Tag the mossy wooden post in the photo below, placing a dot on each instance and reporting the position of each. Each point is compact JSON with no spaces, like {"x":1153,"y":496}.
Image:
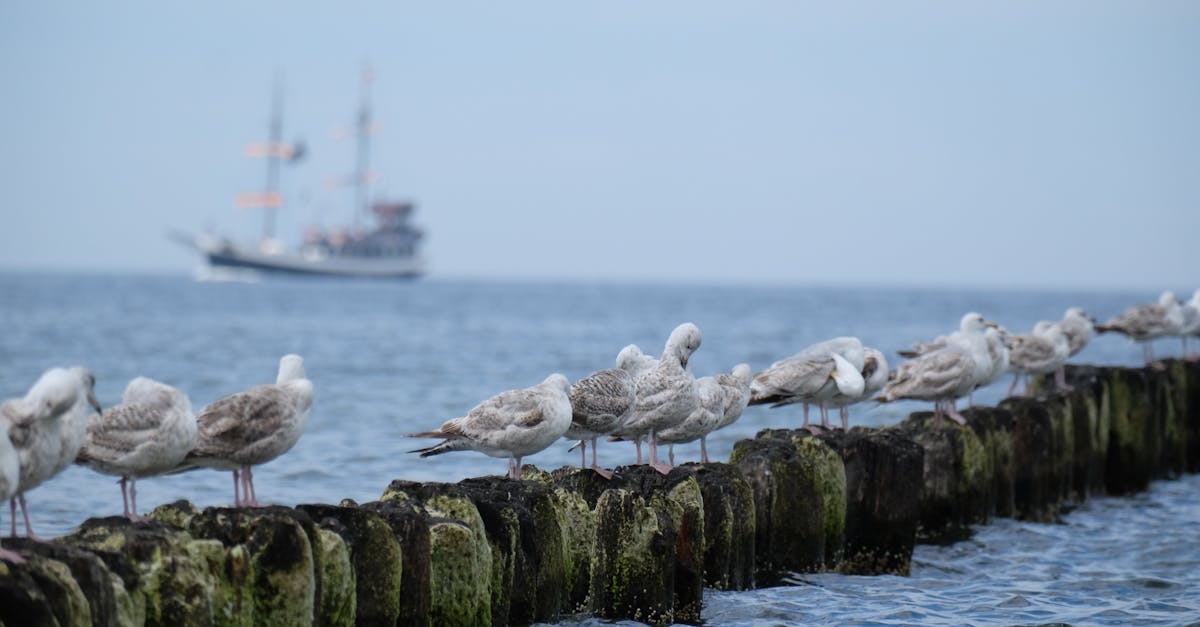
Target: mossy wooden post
{"x":958,"y":478}
{"x":108,"y":602}
{"x":789,"y":509}
{"x":375,"y":557}
{"x":522,"y":525}
{"x":460,"y":573}
{"x":1133,"y":438}
{"x":993,"y":427}
{"x":1170,"y":403}
{"x":633,"y":558}
{"x":42,"y":591}
{"x":1035,"y":486}
{"x":577,"y":492}
{"x":1062,"y":446}
{"x":409,"y":523}
{"x":275,"y":551}
{"x":728,"y":526}
{"x":884,"y":481}
{"x":647,"y":551}
{"x":1191,"y":413}
{"x":171,"y":577}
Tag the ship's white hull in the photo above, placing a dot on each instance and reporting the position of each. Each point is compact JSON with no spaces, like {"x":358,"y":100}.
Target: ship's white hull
{"x":225,"y":254}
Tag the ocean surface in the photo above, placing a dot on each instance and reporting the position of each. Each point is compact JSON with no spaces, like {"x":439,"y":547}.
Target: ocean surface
{"x":394,"y":358}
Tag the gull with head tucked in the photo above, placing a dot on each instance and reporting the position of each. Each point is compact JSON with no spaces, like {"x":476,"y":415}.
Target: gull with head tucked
{"x":817,"y":374}
{"x":46,"y":427}
{"x":148,"y":434}
{"x":511,"y":424}
{"x":666,"y":393}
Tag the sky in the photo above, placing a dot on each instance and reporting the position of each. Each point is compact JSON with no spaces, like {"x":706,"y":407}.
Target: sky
{"x":1039,"y":144}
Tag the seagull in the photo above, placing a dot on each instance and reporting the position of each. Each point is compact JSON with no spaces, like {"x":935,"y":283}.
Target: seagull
{"x":1145,"y":323}
{"x":1043,"y":351}
{"x":875,"y":375}
{"x":252,"y":427}
{"x":708,"y":414}
{"x":42,"y":429}
{"x":1191,"y":323}
{"x":666,"y":394}
{"x":970,"y":336}
{"x":511,"y":424}
{"x":10,"y":474}
{"x":601,"y":402}
{"x":942,"y":376}
{"x":1078,"y":327}
{"x":999,"y":356}
{"x":809,"y":377}
{"x":149,"y":433}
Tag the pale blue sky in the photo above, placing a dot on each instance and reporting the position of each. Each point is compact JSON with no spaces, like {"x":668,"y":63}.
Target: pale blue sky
{"x":1006,"y":143}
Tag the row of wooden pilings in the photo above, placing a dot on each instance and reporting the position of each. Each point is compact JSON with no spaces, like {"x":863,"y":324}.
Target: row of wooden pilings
{"x":642,"y":546}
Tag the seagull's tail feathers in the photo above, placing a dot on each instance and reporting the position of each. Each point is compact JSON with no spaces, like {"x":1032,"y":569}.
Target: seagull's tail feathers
{"x":445,"y":446}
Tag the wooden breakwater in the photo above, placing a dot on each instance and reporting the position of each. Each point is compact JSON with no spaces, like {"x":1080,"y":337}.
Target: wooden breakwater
{"x":642,"y":546}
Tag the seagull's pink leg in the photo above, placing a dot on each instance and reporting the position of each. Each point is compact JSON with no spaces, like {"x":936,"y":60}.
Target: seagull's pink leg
{"x":703,"y":449}
{"x":656,"y":463}
{"x":845,"y":412}
{"x":1016,"y":378}
{"x":805,"y":426}
{"x":124,"y":498}
{"x":12,"y":515}
{"x":638,"y":442}
{"x":607,"y":474}
{"x":583,"y":453}
{"x":133,"y":512}
{"x":671,"y":453}
{"x":952,"y":411}
{"x":25,"y":513}
{"x":237,"y":480}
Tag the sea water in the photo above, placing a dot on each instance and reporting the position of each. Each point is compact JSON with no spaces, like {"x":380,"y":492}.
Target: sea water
{"x":389,"y":359}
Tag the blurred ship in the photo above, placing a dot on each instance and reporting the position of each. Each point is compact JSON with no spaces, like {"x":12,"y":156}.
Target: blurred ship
{"x":387,"y":249}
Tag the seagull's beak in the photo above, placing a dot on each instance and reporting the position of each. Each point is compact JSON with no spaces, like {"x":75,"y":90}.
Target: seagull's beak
{"x":94,"y":403}
{"x":991,"y":324}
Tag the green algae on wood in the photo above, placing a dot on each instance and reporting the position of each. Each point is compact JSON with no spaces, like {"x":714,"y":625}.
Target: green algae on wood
{"x":409,"y":523}
{"x":376,"y":559}
{"x":460,"y":554}
{"x":789,"y":506}
{"x":729,"y":526}
{"x":884,"y":480}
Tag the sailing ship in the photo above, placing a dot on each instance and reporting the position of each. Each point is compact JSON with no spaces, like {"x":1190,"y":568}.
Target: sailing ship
{"x":387,"y":249}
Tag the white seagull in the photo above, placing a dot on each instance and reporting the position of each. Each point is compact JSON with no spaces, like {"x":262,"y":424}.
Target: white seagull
{"x":10,"y":475}
{"x":148,"y":434}
{"x":42,"y":428}
{"x":511,"y":424}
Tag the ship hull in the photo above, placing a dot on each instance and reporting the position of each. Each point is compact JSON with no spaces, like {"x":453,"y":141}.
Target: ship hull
{"x":223,"y":254}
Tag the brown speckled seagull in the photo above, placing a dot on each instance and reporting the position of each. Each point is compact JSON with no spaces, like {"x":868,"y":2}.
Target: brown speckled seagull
{"x":253,"y":427}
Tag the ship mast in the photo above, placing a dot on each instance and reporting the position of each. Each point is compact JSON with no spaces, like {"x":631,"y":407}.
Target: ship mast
{"x":274,"y":139}
{"x":362,"y":162}
{"x":275,"y":151}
